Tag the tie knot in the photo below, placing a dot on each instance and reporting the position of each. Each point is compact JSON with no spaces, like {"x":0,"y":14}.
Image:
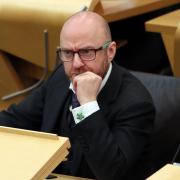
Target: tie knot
{"x":75,"y":102}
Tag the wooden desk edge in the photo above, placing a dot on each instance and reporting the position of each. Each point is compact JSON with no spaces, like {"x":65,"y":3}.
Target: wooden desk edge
{"x":113,"y":13}
{"x":66,"y":177}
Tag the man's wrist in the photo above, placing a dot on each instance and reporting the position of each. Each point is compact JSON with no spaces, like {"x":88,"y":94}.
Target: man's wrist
{"x":81,"y":112}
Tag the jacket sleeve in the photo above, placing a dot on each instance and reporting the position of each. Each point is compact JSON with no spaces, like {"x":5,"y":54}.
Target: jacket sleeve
{"x":27,"y":114}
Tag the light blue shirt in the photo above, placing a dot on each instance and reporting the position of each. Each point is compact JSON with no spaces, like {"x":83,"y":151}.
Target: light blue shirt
{"x":82,"y":112}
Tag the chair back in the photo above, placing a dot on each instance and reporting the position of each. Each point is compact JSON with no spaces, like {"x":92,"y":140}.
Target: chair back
{"x":165,"y":92}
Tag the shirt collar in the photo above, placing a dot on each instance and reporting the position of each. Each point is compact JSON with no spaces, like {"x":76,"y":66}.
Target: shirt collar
{"x":103,"y":81}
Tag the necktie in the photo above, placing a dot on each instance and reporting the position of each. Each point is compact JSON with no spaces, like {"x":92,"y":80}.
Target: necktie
{"x":67,"y":166}
{"x":75,"y":102}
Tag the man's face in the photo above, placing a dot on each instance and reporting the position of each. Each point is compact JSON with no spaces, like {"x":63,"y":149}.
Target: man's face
{"x":75,"y":39}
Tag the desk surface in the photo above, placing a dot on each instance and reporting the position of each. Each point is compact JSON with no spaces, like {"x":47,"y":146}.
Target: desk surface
{"x":168,"y":172}
{"x":164,"y":24}
{"x":114,"y":10}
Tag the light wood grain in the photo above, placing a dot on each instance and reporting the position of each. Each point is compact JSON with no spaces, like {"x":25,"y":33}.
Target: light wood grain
{"x":9,"y":79}
{"x":114,"y":10}
{"x":23,"y":23}
{"x":167,"y":25}
{"x":168,"y":172}
{"x":28,"y":133}
{"x":30,"y":156}
{"x":177,"y":52}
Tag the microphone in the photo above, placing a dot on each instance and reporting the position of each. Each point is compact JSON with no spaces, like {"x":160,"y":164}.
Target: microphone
{"x":44,"y":76}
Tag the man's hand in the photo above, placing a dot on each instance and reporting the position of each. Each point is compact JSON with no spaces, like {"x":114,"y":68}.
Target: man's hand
{"x":86,"y":86}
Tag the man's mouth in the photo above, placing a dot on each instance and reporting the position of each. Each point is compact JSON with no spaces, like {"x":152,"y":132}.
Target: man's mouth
{"x":76,"y":73}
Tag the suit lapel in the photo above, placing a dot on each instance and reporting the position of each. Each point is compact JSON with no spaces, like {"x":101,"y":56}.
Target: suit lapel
{"x":111,"y":89}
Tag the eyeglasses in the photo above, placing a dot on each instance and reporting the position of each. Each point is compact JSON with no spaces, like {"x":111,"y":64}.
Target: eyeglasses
{"x":67,"y":55}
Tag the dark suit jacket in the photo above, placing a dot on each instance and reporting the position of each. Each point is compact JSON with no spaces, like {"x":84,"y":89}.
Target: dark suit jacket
{"x":109,"y":143}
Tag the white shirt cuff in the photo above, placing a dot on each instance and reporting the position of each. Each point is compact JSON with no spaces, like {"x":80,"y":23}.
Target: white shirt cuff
{"x":82,"y":112}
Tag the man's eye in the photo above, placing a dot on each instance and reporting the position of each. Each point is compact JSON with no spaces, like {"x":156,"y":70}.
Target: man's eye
{"x":86,"y":51}
{"x":67,"y":52}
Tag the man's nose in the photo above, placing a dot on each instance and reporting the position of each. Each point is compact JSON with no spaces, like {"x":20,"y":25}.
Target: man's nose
{"x":77,"y":62}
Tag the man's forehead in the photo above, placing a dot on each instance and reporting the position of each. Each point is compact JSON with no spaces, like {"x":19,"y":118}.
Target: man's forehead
{"x":83,"y":30}
{"x":85,"y":18}
{"x":85,"y":24}
{"x":85,"y":15}
{"x":78,"y":23}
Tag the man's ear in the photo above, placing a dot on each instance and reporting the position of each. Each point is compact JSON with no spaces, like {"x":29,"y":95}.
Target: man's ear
{"x":111,"y":51}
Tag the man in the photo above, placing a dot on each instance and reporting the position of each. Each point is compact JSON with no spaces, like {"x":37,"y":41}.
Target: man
{"x":111,"y":127}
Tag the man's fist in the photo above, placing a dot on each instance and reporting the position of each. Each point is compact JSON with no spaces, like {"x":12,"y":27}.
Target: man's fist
{"x":86,"y":86}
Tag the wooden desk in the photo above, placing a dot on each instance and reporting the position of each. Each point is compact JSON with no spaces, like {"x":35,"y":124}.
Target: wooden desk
{"x":168,"y":172}
{"x":114,"y":10}
{"x":64,"y":177}
{"x":166,"y":25}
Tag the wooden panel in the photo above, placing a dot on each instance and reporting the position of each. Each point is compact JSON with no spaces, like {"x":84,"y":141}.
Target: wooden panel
{"x":9,"y":79}
{"x":9,"y":82}
{"x":177,"y":52}
{"x":168,"y":40}
{"x":22,"y":24}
